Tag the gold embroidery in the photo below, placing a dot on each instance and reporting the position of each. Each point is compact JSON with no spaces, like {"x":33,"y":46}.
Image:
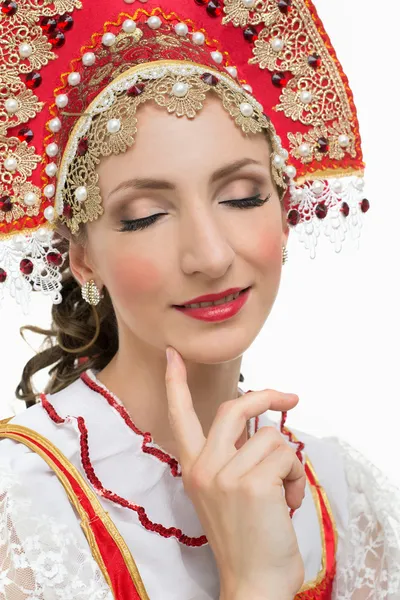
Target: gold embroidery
{"x":25,"y":156}
{"x":298,"y":38}
{"x":331,"y":133}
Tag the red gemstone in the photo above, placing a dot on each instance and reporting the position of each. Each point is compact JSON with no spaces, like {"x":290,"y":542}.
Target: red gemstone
{"x":65,"y":22}
{"x":209,"y":78}
{"x":33,"y":80}
{"x":54,"y":258}
{"x":345,"y":209}
{"x":323,"y":145}
{"x":25,"y":134}
{"x":48,"y":24}
{"x":293,"y":217}
{"x":57,"y":39}
{"x":285,"y":6}
{"x":321,"y":211}
{"x":214,"y":8}
{"x":83,"y":146}
{"x":250,"y":33}
{"x":26,"y":266}
{"x":3,"y":275}
{"x":136,"y":90}
{"x":6,"y":204}
{"x":314,"y":60}
{"x":279,"y":79}
{"x":67,"y":212}
{"x":364,"y":205}
{"x":9,"y":8}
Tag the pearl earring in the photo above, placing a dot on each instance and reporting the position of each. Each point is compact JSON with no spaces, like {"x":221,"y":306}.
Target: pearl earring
{"x":91,"y":293}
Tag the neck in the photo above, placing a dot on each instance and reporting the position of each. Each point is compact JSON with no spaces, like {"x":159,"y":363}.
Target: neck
{"x":137,"y":378}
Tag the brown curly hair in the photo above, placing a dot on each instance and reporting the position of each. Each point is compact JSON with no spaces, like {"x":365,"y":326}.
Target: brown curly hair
{"x":81,"y":336}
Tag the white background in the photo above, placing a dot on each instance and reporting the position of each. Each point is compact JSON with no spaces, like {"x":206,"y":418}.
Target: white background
{"x":333,"y":336}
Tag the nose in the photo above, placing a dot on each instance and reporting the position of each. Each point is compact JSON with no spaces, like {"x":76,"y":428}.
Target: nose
{"x":203,"y":244}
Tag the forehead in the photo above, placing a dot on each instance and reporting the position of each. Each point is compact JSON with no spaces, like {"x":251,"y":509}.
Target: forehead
{"x":175,"y":148}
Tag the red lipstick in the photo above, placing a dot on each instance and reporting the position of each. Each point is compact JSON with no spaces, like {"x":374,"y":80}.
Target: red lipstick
{"x":218,"y":312}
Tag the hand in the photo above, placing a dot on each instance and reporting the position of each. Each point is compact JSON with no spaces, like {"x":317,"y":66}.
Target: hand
{"x":238,"y":493}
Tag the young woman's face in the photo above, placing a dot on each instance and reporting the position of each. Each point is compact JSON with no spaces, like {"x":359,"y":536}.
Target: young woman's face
{"x":200,"y":244}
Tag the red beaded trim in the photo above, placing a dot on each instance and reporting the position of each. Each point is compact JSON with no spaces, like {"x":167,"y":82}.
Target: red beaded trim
{"x":147,"y":439}
{"x":95,"y":481}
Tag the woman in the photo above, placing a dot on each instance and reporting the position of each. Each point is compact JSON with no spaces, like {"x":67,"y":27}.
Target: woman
{"x":165,"y":179}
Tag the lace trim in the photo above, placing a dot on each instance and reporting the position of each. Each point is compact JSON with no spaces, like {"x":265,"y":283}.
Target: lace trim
{"x":369,"y":555}
{"x":40,"y":557}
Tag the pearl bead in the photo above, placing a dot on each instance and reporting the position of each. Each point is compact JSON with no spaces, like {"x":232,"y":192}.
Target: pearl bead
{"x":359,"y":184}
{"x":304,"y":149}
{"x":10,"y":164}
{"x":317,"y":187}
{"x":344,"y":141}
{"x":113,"y":125}
{"x":291,"y":171}
{"x":89,"y":59}
{"x":129,"y":1}
{"x":278,"y":161}
{"x":54,"y":125}
{"x":249,"y":3}
{"x":283,"y":152}
{"x":217,"y":57}
{"x":49,"y":190}
{"x":248,"y":88}
{"x":232,"y":71}
{"x":309,"y":227}
{"x":74,"y":78}
{"x":246,"y":109}
{"x":11,"y":105}
{"x":30,"y":199}
{"x":154,"y":22}
{"x":277,"y":44}
{"x":42,"y":235}
{"x":52,"y":150}
{"x":129,"y":26}
{"x":180,"y":89}
{"x":25,"y":50}
{"x":51,"y":169}
{"x":181,"y":29}
{"x":335,"y":223}
{"x":298,"y":193}
{"x":19,"y":242}
{"x":49,"y":213}
{"x":81,"y":193}
{"x":62,"y":100}
{"x":337,"y":186}
{"x":198,"y":38}
{"x":306,"y":97}
{"x":108,"y":39}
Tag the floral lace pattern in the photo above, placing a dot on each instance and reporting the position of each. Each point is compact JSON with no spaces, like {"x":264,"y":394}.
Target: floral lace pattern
{"x":51,"y":562}
{"x":368,"y":557}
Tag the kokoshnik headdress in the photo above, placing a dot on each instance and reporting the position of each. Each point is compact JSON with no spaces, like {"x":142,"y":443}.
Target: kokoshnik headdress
{"x":73,"y":74}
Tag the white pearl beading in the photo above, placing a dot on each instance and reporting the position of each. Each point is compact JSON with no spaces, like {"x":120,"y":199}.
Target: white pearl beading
{"x":107,"y":97}
{"x":335,"y":226}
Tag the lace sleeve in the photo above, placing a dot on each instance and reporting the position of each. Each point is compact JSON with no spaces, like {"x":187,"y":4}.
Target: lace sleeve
{"x":368,"y":554}
{"x":40,"y":557}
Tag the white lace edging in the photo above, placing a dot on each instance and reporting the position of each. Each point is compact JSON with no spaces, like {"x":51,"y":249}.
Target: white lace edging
{"x":40,"y":558}
{"x":368,"y":556}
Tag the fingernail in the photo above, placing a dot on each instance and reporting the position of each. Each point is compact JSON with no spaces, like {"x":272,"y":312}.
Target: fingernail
{"x":170,"y":355}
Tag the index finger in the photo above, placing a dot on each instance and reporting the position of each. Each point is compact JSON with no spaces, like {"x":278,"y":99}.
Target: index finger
{"x":183,"y":419}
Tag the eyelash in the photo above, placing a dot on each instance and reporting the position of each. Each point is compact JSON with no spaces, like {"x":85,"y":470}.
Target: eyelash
{"x":243,"y":203}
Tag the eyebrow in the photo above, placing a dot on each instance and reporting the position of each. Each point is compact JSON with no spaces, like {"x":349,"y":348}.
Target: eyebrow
{"x":147,"y":183}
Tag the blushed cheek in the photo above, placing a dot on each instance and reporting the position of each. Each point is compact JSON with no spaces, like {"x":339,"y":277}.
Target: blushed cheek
{"x":268,"y":249}
{"x":135,"y":277}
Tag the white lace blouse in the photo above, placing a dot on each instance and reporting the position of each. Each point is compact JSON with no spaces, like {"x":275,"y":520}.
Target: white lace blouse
{"x":44,"y":554}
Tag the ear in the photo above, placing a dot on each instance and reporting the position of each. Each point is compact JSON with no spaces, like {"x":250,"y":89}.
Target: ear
{"x":80,"y":264}
{"x":285,"y":203}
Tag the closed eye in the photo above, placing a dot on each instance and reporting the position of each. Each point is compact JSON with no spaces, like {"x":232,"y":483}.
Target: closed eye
{"x":242,"y":203}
